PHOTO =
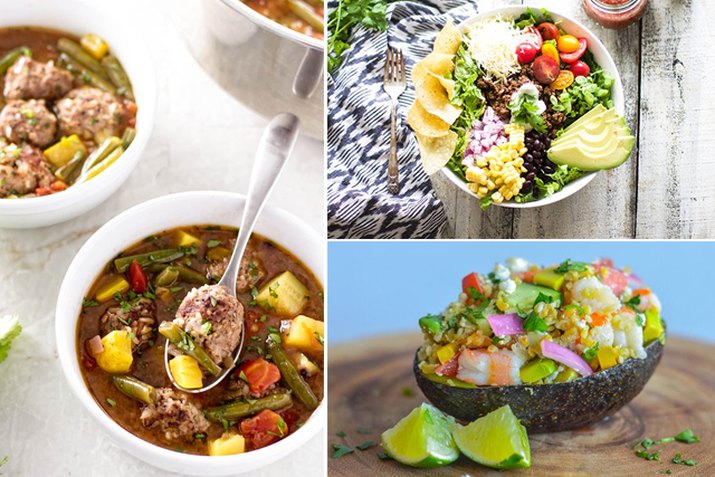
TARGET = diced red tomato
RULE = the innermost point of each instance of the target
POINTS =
(613, 278)
(528, 276)
(549, 31)
(576, 55)
(263, 429)
(471, 281)
(137, 277)
(579, 68)
(260, 374)
(57, 186)
(450, 368)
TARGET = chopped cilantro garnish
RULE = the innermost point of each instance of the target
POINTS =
(213, 243)
(383, 456)
(534, 322)
(543, 299)
(340, 451)
(678, 459)
(407, 392)
(111, 402)
(570, 266)
(687, 436)
(362, 430)
(340, 434)
(648, 456)
(366, 445)
(589, 354)
(86, 303)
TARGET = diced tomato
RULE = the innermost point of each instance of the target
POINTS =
(641, 291)
(525, 53)
(263, 429)
(546, 69)
(450, 368)
(579, 68)
(468, 282)
(576, 55)
(549, 31)
(88, 362)
(598, 319)
(613, 278)
(528, 276)
(260, 374)
(57, 186)
(137, 277)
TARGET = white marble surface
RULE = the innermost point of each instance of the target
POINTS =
(202, 139)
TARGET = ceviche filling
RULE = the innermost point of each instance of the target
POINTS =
(526, 324)
(515, 107)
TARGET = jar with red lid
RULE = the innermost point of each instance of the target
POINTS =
(615, 14)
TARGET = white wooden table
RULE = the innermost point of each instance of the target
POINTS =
(666, 190)
(45, 431)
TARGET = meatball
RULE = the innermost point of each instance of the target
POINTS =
(91, 111)
(250, 273)
(138, 317)
(214, 318)
(28, 121)
(28, 78)
(22, 170)
(175, 415)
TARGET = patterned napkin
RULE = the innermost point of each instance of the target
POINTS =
(359, 205)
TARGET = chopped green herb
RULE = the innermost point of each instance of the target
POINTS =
(541, 298)
(206, 327)
(86, 303)
(254, 295)
(366, 445)
(383, 456)
(319, 337)
(340, 434)
(243, 377)
(200, 436)
(665, 440)
(575, 306)
(496, 340)
(272, 290)
(645, 455)
(535, 323)
(570, 266)
(407, 392)
(687, 436)
(340, 451)
(111, 402)
(589, 354)
(213, 243)
(362, 430)
(678, 459)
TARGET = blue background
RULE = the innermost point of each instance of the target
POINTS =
(376, 288)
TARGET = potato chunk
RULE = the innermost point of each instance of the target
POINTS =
(186, 372)
(117, 354)
(227, 444)
(285, 294)
(305, 334)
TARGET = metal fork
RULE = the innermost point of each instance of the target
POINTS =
(395, 84)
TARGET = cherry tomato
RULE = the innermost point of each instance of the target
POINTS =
(468, 282)
(549, 31)
(579, 68)
(564, 80)
(450, 368)
(568, 44)
(525, 53)
(534, 37)
(613, 278)
(263, 429)
(550, 50)
(137, 277)
(576, 55)
(260, 374)
(546, 69)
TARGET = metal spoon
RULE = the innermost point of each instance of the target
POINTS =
(274, 148)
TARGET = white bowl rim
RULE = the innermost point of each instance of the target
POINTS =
(574, 186)
(78, 192)
(68, 356)
(275, 27)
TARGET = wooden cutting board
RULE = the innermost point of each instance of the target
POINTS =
(371, 387)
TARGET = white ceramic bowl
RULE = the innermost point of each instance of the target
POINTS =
(80, 17)
(601, 56)
(143, 220)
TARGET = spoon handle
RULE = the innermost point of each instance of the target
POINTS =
(274, 148)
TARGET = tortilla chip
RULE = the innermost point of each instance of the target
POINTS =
(435, 152)
(424, 123)
(448, 40)
(434, 97)
(448, 86)
(436, 63)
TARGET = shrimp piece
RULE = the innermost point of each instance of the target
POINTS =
(497, 368)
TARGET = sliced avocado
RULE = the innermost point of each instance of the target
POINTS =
(607, 357)
(549, 278)
(525, 295)
(537, 369)
(597, 110)
(592, 123)
(567, 375)
(653, 326)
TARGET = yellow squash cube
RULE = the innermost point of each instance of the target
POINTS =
(117, 354)
(186, 372)
(227, 444)
(185, 239)
(305, 334)
(94, 45)
(446, 352)
(64, 150)
(284, 294)
(117, 284)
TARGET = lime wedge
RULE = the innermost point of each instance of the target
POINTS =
(422, 439)
(496, 440)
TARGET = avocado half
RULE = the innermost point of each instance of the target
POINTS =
(548, 407)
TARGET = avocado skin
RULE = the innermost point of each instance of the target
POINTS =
(549, 407)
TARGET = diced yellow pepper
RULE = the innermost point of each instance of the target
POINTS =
(549, 278)
(227, 444)
(64, 150)
(94, 45)
(186, 372)
(653, 326)
(607, 357)
(185, 239)
(117, 354)
(446, 352)
(305, 334)
(284, 294)
(117, 284)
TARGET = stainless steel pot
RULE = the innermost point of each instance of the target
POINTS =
(266, 66)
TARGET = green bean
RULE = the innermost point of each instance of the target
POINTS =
(12, 56)
(70, 171)
(307, 13)
(146, 259)
(88, 76)
(167, 277)
(77, 53)
(291, 375)
(185, 343)
(238, 409)
(128, 136)
(101, 153)
(136, 389)
(118, 76)
(185, 273)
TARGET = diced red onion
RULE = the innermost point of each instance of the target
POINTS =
(505, 325)
(95, 345)
(565, 356)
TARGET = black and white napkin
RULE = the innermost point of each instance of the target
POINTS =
(359, 205)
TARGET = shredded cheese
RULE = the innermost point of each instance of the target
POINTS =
(492, 45)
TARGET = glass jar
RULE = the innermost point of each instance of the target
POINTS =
(615, 14)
